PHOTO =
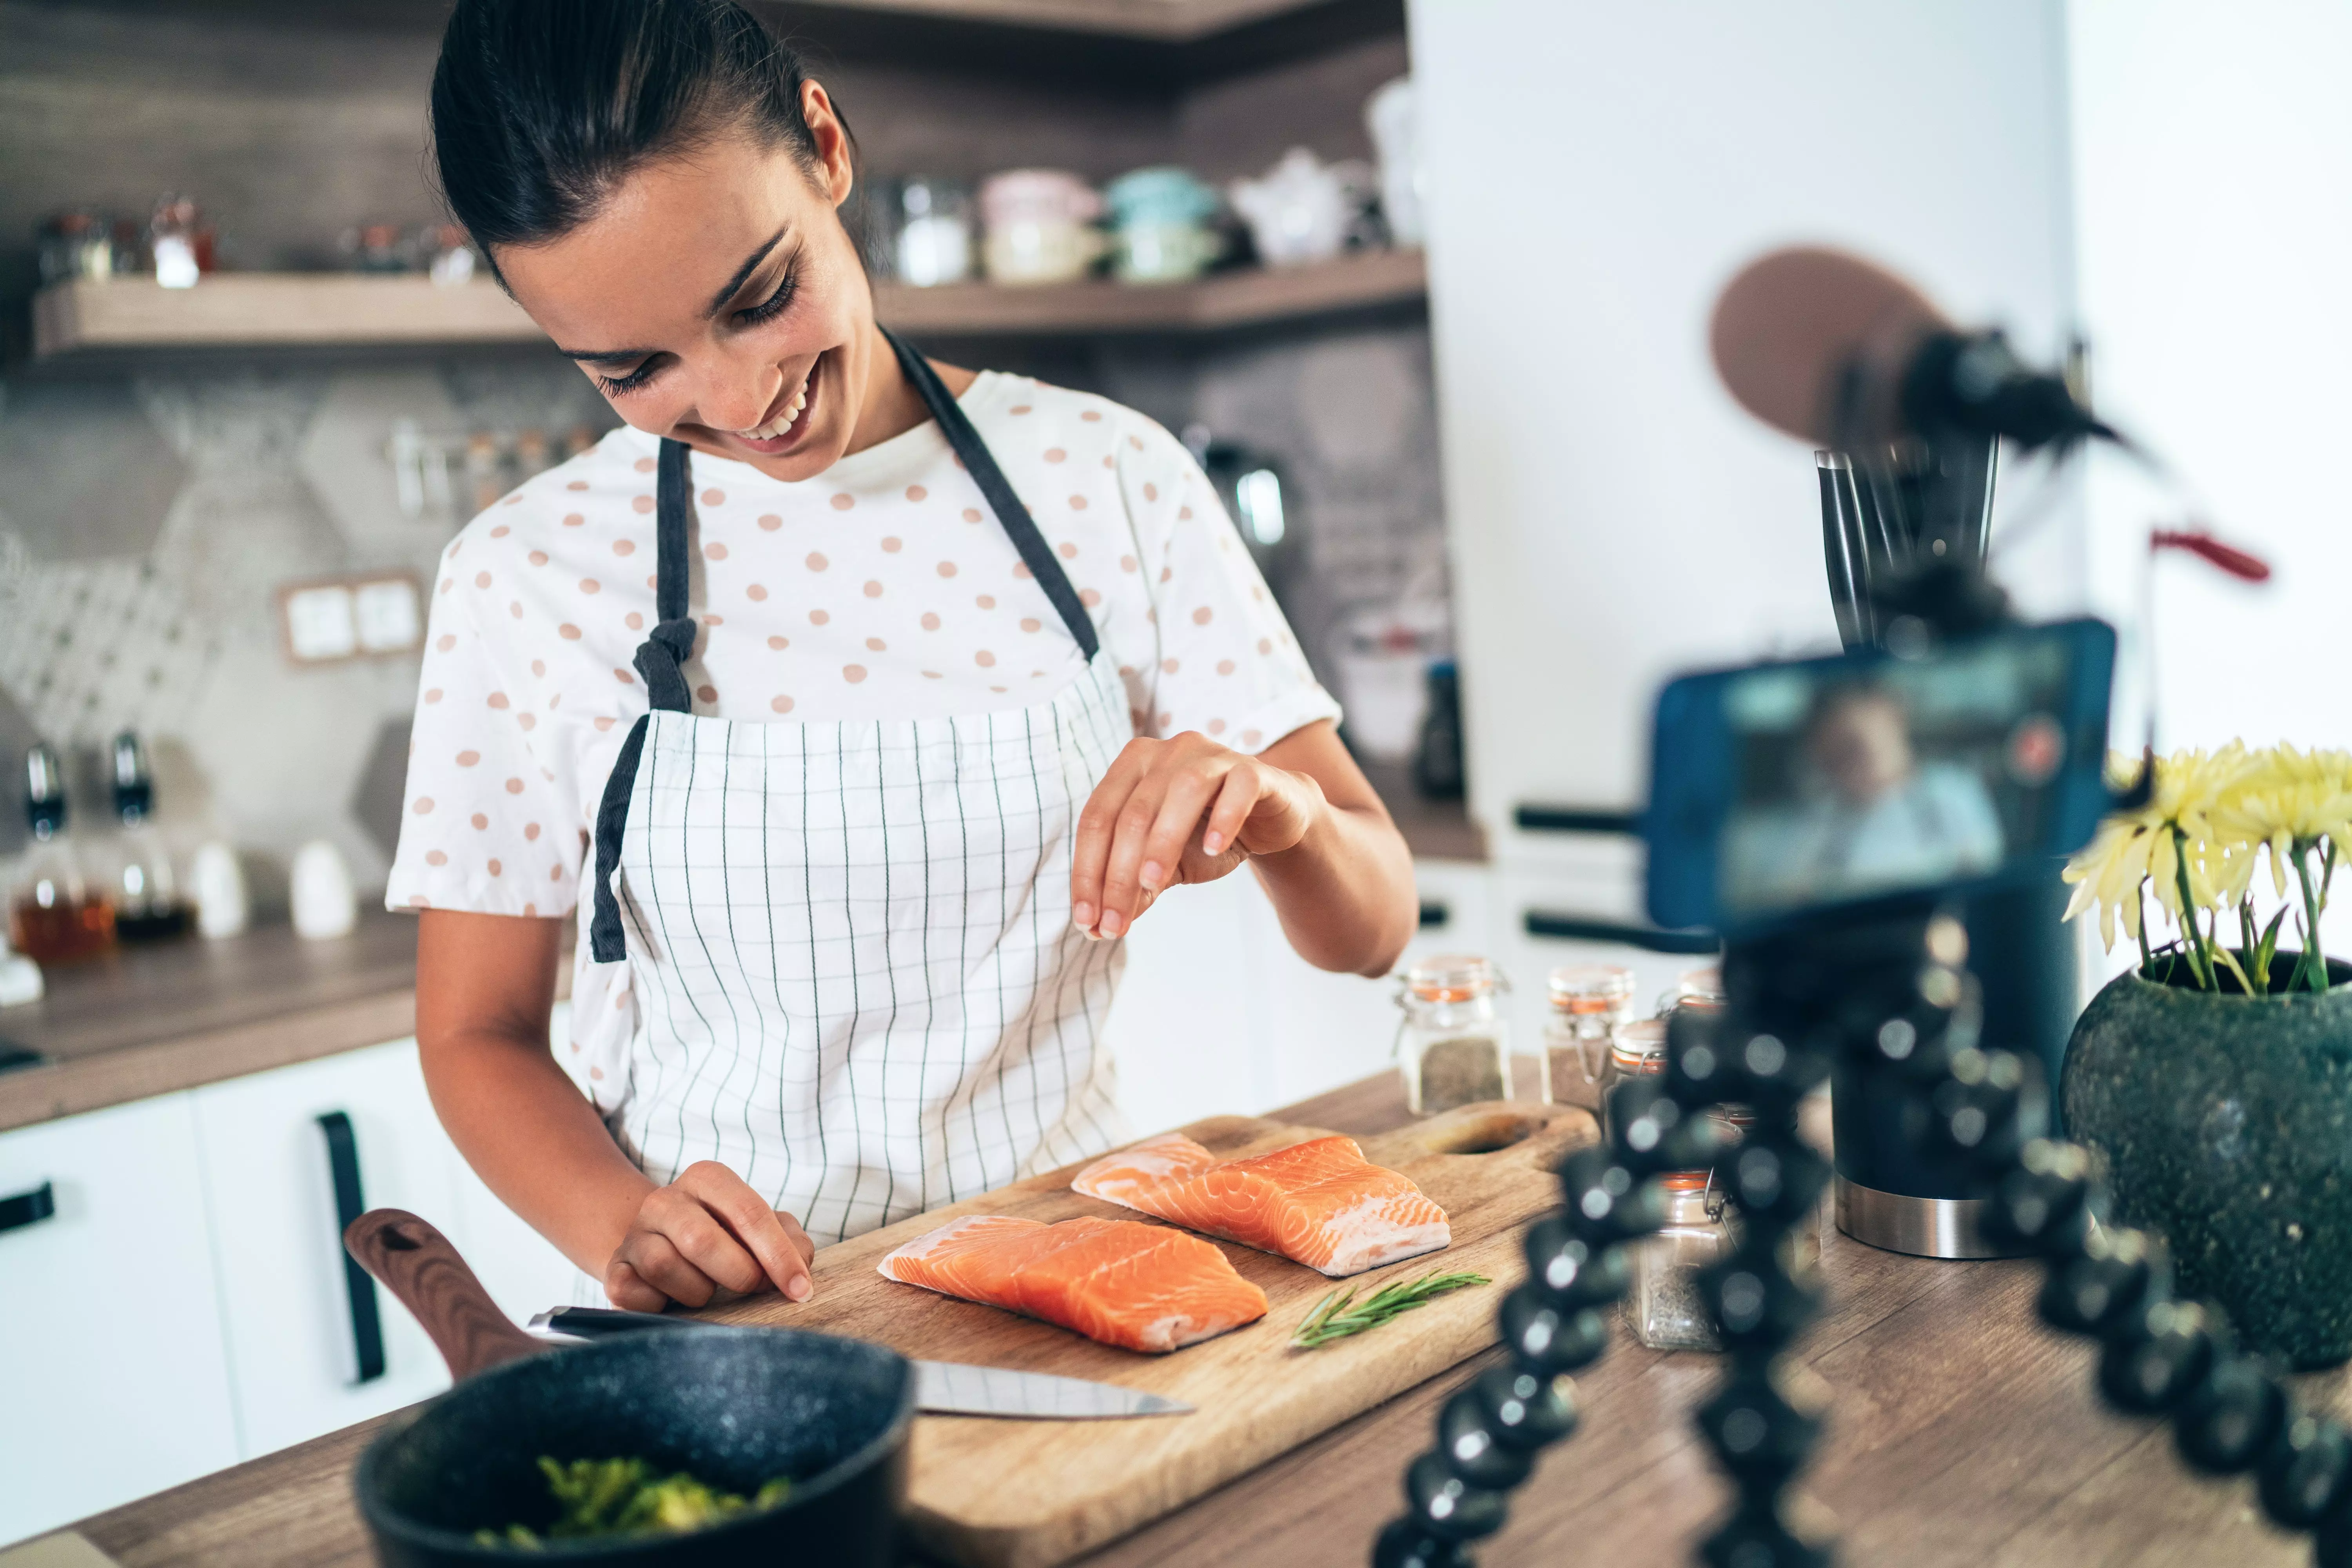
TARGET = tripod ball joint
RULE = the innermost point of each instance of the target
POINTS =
(2044, 1205)
(1775, 1182)
(2306, 1472)
(1989, 1108)
(1756, 1536)
(1548, 1339)
(1572, 1267)
(1490, 1432)
(1441, 1503)
(2116, 1269)
(1404, 1545)
(1762, 1422)
(1608, 1200)
(1656, 1133)
(2156, 1354)
(1757, 1306)
(2229, 1421)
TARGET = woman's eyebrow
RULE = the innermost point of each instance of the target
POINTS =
(718, 303)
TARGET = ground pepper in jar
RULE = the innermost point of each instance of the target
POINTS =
(1589, 1002)
(1453, 1043)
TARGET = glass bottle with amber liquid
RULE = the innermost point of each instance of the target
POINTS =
(147, 903)
(54, 916)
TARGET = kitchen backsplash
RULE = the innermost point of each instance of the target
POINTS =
(148, 521)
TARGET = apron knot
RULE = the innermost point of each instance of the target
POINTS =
(667, 646)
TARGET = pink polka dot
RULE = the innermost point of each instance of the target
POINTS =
(590, 585)
(653, 583)
(1127, 562)
(502, 530)
(917, 493)
(424, 806)
(1168, 667)
(1089, 598)
(852, 673)
(891, 546)
(574, 520)
(1021, 569)
(873, 589)
(771, 522)
(1183, 514)
(1166, 719)
(642, 503)
(875, 645)
(1224, 667)
(604, 722)
(539, 557)
(1135, 442)
(496, 868)
(714, 552)
(531, 830)
(1091, 415)
(539, 667)
(434, 695)
(756, 593)
(1166, 572)
(514, 786)
(527, 720)
(644, 466)
(1216, 726)
(515, 609)
(998, 689)
(499, 699)
(481, 579)
(1054, 454)
(933, 674)
(529, 910)
(986, 601)
(818, 617)
(778, 643)
(555, 873)
(1151, 492)
(985, 659)
(623, 676)
(510, 501)
(435, 857)
(1203, 616)
(1030, 623)
(468, 759)
(843, 502)
(946, 568)
(816, 561)
(1077, 503)
(417, 902)
(555, 701)
(568, 632)
(1108, 463)
(781, 704)
(480, 821)
(1265, 644)
(1070, 550)
(1251, 737)
(625, 547)
(931, 621)
(714, 497)
(708, 693)
(633, 620)
(447, 584)
(1019, 408)
(971, 514)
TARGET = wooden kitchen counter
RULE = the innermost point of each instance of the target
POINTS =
(150, 1020)
(1962, 1433)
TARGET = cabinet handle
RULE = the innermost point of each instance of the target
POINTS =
(1591, 928)
(1434, 915)
(21, 1209)
(1599, 819)
(359, 1290)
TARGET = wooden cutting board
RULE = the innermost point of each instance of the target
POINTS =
(1028, 1494)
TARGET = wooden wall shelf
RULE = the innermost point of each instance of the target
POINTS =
(345, 310)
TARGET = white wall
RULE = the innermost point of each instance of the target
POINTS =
(1596, 171)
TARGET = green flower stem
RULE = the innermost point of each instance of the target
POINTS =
(2198, 945)
(2147, 958)
(2312, 970)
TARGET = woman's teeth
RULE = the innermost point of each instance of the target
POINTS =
(781, 422)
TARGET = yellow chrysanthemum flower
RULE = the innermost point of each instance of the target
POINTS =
(2290, 800)
(2175, 831)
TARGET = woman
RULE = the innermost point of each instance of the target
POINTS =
(856, 705)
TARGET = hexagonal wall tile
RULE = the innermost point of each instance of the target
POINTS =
(346, 459)
(89, 475)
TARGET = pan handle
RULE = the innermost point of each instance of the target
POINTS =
(416, 1264)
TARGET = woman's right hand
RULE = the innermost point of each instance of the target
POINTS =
(707, 1231)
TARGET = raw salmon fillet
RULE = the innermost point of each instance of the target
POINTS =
(1144, 1287)
(1320, 1202)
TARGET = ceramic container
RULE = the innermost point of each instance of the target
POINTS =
(1039, 226)
(1299, 211)
(1392, 117)
(1158, 225)
(325, 904)
(2225, 1122)
(222, 906)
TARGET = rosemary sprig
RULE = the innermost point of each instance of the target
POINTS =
(1339, 1314)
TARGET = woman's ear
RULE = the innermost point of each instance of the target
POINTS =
(830, 141)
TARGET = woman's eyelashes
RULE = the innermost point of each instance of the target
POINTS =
(621, 386)
(766, 310)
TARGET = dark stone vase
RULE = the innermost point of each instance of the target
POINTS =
(2225, 1122)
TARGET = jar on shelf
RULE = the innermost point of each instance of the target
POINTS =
(926, 231)
(1454, 1043)
(1038, 227)
(1589, 1002)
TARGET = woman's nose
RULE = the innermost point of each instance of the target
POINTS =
(737, 396)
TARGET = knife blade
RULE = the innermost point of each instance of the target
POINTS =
(941, 1387)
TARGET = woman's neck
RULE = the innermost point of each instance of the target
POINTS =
(892, 406)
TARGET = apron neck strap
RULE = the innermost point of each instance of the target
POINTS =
(1011, 514)
(671, 642)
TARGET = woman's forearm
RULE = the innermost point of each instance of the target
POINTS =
(1344, 893)
(535, 1140)
(485, 987)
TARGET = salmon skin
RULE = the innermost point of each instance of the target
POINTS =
(1142, 1287)
(1320, 1203)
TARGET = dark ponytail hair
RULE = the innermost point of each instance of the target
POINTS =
(541, 107)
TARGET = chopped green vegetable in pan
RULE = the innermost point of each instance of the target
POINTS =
(622, 1497)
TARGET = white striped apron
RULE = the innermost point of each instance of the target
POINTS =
(856, 981)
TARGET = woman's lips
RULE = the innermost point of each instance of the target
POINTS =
(785, 427)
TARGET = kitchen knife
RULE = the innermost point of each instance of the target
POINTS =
(941, 1387)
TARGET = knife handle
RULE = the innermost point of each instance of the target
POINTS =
(600, 1323)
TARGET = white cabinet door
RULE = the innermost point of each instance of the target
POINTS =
(113, 1380)
(292, 1341)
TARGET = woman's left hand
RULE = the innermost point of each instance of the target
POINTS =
(1184, 809)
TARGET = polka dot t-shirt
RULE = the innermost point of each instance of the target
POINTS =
(883, 588)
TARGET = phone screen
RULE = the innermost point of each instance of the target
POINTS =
(1846, 779)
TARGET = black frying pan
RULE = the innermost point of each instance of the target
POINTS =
(734, 1406)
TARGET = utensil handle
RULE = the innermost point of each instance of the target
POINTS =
(22, 1209)
(597, 1322)
(417, 1263)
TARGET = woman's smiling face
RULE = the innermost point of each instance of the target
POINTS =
(715, 298)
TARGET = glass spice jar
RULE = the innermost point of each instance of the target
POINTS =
(1588, 1002)
(1452, 1044)
(1666, 1310)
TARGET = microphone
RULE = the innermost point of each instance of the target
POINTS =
(1840, 352)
